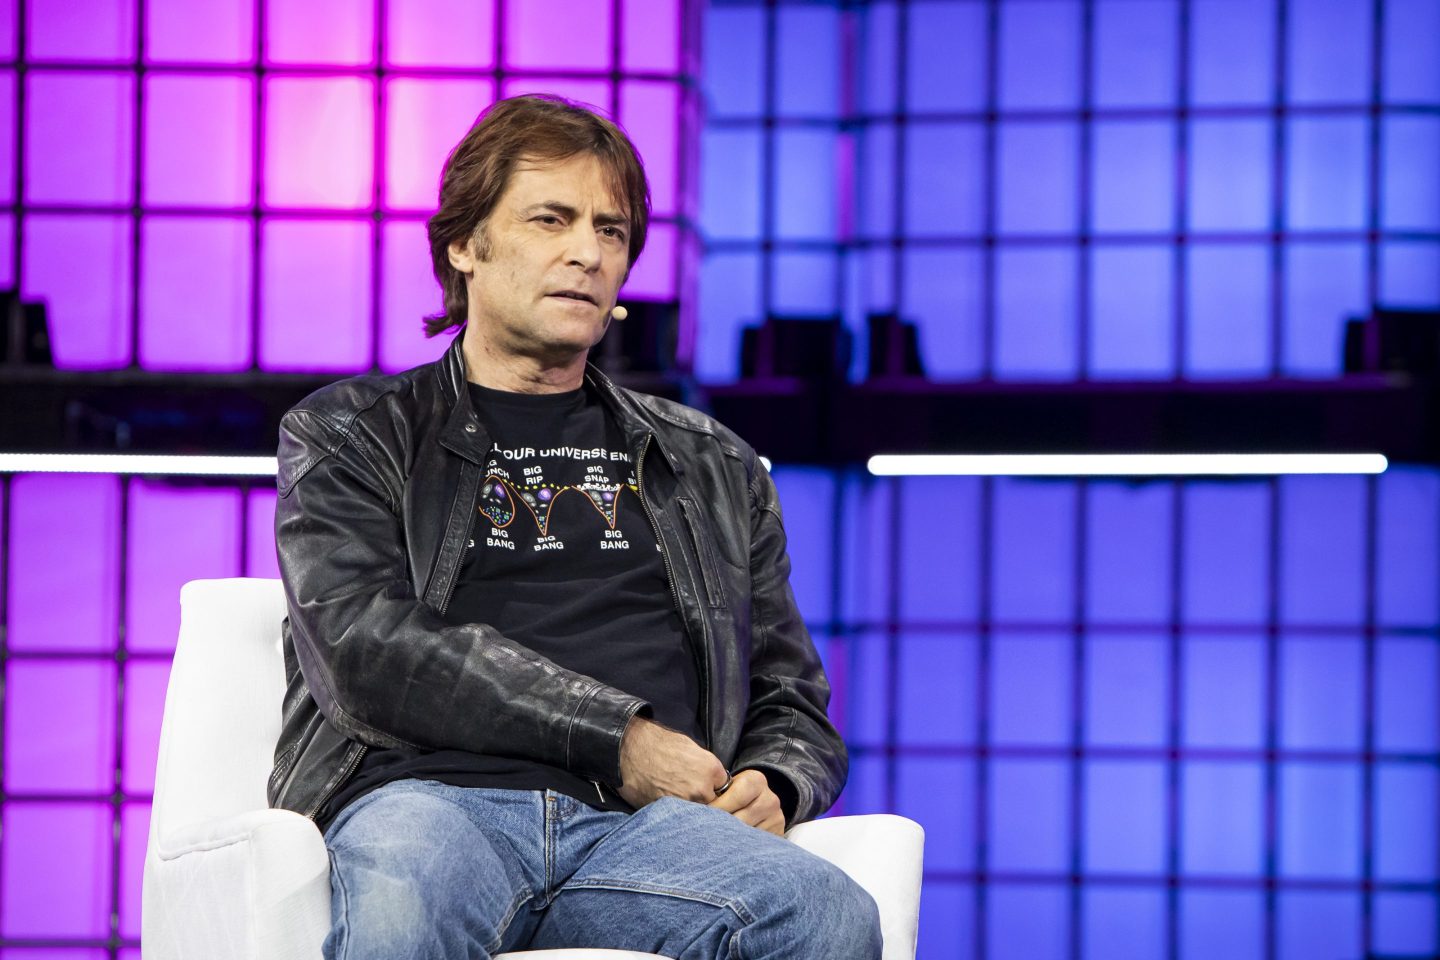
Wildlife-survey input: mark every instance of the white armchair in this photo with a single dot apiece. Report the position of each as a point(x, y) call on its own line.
point(228, 878)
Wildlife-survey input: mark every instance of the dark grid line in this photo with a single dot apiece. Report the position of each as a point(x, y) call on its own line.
point(1276, 250)
point(768, 208)
point(899, 159)
point(1084, 160)
point(1180, 209)
point(17, 225)
point(7, 519)
point(990, 215)
point(1077, 762)
point(117, 795)
point(137, 173)
point(894, 571)
point(1372, 163)
point(1369, 704)
point(257, 184)
point(1174, 716)
point(1272, 712)
point(983, 700)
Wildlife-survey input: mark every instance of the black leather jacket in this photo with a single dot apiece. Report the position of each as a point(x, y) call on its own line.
point(377, 489)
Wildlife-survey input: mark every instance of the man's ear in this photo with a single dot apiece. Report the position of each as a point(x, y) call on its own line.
point(462, 256)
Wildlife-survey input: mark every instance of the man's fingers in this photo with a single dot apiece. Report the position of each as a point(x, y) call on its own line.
point(742, 792)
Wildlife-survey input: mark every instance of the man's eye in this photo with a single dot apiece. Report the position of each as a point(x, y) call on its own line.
point(613, 232)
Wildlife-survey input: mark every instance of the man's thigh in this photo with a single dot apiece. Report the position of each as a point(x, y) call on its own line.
point(687, 881)
point(424, 869)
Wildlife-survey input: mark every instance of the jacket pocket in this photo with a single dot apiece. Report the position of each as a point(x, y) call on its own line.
point(709, 567)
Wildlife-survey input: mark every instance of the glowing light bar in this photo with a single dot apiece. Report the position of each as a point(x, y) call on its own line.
point(1123, 464)
point(170, 465)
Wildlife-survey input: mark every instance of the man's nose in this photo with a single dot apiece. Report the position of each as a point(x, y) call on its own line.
point(583, 247)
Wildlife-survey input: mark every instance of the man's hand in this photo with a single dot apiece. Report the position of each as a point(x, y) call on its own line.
point(751, 799)
point(656, 762)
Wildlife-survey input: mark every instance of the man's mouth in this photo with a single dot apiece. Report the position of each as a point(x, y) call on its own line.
point(573, 295)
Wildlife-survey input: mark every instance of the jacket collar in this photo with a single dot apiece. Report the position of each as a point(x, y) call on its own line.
point(463, 433)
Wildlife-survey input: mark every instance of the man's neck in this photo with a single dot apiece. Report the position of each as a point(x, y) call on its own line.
point(517, 373)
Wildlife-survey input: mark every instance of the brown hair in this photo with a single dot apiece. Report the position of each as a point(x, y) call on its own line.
point(540, 127)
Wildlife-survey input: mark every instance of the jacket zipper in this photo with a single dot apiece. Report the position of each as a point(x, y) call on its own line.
point(344, 775)
point(703, 660)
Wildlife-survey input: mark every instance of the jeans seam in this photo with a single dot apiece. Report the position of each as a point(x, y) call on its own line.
point(503, 926)
point(344, 950)
point(734, 905)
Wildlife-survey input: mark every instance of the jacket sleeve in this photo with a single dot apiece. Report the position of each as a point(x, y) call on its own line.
point(382, 665)
point(787, 734)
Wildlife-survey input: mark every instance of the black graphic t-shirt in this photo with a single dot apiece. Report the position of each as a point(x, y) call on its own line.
point(561, 558)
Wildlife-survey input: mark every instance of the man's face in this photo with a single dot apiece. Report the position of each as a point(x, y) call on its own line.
point(557, 248)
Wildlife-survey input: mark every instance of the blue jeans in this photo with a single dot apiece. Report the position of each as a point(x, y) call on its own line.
point(421, 869)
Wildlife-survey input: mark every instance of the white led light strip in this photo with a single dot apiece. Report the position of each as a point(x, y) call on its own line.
point(170, 465)
point(1123, 464)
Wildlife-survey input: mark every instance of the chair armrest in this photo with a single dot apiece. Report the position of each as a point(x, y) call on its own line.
point(255, 886)
point(884, 854)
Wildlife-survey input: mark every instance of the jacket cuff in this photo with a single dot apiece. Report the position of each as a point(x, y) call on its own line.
point(593, 744)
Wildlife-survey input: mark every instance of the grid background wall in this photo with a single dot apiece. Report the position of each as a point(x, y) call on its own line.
point(1166, 719)
point(251, 177)
point(1072, 189)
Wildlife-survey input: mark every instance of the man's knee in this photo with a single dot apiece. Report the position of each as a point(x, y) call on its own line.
point(410, 875)
point(839, 914)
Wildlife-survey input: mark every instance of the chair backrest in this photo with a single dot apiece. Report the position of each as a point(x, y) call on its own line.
point(222, 707)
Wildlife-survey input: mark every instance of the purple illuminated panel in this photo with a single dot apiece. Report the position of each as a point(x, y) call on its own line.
point(315, 295)
point(7, 28)
point(199, 135)
point(951, 318)
point(134, 833)
point(650, 114)
point(1027, 826)
point(1130, 320)
point(320, 32)
point(64, 570)
point(1126, 689)
point(1030, 688)
point(558, 34)
point(410, 294)
point(260, 560)
point(1036, 292)
point(95, 30)
point(46, 756)
point(1227, 300)
point(145, 684)
point(200, 31)
point(1039, 54)
point(319, 149)
point(440, 33)
point(650, 36)
point(1221, 819)
point(1224, 691)
point(7, 136)
point(1324, 285)
point(89, 308)
point(1124, 817)
point(1326, 180)
point(158, 562)
point(1320, 820)
point(7, 250)
point(653, 276)
point(1135, 52)
point(1033, 562)
point(424, 120)
point(195, 293)
point(78, 138)
point(591, 93)
point(55, 873)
